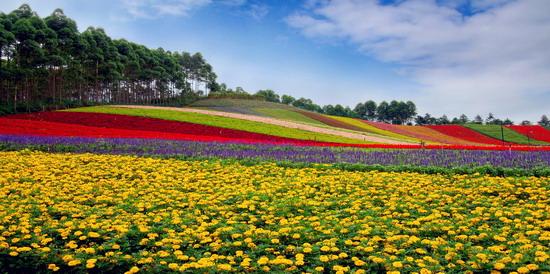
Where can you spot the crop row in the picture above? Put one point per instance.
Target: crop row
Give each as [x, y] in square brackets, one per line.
[534, 132]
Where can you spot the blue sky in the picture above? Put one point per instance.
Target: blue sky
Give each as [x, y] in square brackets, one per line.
[449, 56]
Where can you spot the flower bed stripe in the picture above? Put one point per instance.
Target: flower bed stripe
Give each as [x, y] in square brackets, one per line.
[534, 132]
[422, 133]
[467, 134]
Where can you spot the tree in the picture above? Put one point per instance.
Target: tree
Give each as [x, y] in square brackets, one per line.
[507, 122]
[463, 119]
[370, 110]
[268, 95]
[383, 112]
[490, 119]
[478, 120]
[287, 99]
[443, 120]
[48, 63]
[544, 121]
[360, 110]
[419, 120]
[525, 123]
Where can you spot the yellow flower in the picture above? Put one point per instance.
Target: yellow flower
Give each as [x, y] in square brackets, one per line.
[523, 270]
[73, 262]
[263, 260]
[53, 267]
[499, 266]
[132, 270]
[397, 264]
[93, 234]
[324, 258]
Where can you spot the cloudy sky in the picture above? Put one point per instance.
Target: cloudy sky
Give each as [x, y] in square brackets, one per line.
[448, 56]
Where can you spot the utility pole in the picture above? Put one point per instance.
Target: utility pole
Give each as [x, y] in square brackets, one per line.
[502, 131]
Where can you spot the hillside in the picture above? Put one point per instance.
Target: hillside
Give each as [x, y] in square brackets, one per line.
[290, 113]
[249, 123]
[495, 131]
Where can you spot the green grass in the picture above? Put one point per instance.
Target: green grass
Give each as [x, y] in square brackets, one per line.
[238, 103]
[494, 131]
[223, 122]
[289, 115]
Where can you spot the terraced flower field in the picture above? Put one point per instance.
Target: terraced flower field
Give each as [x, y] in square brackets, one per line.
[467, 134]
[422, 133]
[509, 135]
[222, 122]
[534, 132]
[85, 212]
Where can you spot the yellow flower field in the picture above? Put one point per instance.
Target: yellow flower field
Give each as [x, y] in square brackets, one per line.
[70, 212]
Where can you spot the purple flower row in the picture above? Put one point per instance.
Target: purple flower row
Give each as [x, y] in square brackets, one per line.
[432, 157]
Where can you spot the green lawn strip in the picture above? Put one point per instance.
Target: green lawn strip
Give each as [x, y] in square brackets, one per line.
[223, 122]
[494, 131]
[238, 103]
[288, 115]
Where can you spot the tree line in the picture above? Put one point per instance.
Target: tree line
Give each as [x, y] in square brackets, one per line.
[47, 63]
[397, 112]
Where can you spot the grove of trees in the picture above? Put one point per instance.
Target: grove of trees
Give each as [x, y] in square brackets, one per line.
[48, 63]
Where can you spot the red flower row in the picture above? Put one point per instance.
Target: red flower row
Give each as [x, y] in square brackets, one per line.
[467, 134]
[533, 132]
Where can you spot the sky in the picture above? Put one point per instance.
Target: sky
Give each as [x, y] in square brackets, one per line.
[448, 56]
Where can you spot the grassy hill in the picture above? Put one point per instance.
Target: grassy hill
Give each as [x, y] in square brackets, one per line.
[290, 113]
[494, 131]
[256, 107]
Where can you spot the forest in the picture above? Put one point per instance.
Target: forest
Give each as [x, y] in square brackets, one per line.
[46, 63]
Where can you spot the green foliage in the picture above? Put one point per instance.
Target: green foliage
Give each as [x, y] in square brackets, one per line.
[494, 131]
[223, 122]
[47, 63]
[268, 95]
[289, 115]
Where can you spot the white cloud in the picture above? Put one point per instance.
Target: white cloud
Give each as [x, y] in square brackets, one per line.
[258, 11]
[494, 60]
[152, 8]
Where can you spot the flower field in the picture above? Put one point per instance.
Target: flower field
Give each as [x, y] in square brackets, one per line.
[221, 122]
[107, 213]
[114, 190]
[509, 135]
[466, 134]
[407, 159]
[534, 132]
[104, 124]
[422, 133]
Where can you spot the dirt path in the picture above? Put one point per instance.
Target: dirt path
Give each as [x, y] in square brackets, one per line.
[273, 121]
